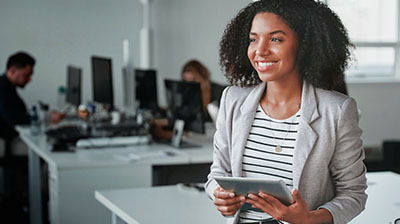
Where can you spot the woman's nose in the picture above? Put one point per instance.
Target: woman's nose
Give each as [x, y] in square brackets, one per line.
[262, 49]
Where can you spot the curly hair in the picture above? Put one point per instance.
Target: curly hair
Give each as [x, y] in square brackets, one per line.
[324, 46]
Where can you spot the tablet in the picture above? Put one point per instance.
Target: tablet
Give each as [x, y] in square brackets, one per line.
[243, 186]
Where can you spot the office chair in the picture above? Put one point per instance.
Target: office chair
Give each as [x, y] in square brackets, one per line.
[391, 155]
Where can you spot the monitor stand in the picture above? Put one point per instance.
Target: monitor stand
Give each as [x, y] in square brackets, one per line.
[177, 136]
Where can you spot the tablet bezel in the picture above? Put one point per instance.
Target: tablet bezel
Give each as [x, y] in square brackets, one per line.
[244, 186]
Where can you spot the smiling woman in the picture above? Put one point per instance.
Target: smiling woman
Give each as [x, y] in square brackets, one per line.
[273, 48]
[280, 119]
[321, 37]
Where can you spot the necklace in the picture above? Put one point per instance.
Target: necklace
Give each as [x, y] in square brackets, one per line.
[278, 147]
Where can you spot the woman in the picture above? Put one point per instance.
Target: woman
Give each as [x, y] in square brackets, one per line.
[281, 120]
[194, 71]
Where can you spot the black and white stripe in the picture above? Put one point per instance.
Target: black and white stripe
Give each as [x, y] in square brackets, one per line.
[260, 160]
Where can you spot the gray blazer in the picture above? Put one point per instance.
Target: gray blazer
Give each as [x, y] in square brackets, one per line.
[328, 168]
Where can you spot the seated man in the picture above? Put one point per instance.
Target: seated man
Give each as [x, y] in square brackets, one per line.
[12, 108]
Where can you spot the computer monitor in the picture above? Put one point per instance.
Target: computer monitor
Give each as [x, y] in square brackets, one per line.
[146, 89]
[185, 103]
[102, 81]
[74, 77]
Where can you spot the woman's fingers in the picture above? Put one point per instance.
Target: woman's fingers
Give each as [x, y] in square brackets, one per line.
[293, 213]
[259, 203]
[272, 200]
[230, 209]
[296, 197]
[221, 193]
[227, 202]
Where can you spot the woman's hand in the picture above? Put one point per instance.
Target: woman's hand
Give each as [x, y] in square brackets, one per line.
[297, 212]
[226, 201]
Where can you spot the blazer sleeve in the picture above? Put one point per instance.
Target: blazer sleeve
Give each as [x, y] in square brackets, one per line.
[221, 154]
[347, 167]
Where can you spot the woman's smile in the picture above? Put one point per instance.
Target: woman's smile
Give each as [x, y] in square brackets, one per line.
[264, 66]
[272, 48]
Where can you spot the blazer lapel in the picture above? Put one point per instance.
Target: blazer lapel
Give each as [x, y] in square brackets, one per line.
[306, 137]
[243, 124]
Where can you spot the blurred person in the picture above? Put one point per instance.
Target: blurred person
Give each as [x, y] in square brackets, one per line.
[195, 71]
[13, 111]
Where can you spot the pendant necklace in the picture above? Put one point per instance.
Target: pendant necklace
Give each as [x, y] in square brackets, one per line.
[278, 147]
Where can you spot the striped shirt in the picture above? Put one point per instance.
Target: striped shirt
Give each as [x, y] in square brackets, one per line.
[262, 160]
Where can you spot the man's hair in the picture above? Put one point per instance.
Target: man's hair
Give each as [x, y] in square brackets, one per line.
[324, 46]
[20, 60]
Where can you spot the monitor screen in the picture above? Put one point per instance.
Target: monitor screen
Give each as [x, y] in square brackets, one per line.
[146, 89]
[185, 103]
[73, 85]
[102, 81]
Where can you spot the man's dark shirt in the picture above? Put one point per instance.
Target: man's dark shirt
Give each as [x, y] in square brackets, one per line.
[12, 108]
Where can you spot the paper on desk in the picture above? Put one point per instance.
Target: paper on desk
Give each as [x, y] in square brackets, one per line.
[126, 158]
[139, 156]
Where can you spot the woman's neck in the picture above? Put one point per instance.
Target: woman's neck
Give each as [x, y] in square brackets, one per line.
[282, 99]
[283, 92]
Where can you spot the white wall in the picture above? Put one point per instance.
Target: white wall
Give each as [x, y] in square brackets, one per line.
[60, 32]
[380, 109]
[187, 29]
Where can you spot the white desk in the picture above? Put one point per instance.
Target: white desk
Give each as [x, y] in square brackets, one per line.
[383, 203]
[176, 206]
[167, 204]
[73, 176]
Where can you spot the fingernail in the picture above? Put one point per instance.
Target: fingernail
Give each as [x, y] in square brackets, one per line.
[242, 198]
[231, 195]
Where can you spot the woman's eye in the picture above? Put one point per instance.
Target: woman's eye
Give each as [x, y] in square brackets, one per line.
[274, 39]
[252, 39]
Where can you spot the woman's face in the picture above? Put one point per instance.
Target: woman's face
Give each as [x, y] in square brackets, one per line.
[191, 76]
[273, 48]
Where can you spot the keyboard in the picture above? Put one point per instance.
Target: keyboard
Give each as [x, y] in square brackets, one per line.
[113, 141]
[65, 134]
[127, 129]
[66, 138]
